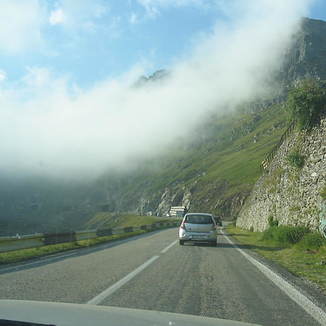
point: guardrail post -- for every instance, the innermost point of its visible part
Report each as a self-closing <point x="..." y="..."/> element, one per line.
<point x="128" y="229"/>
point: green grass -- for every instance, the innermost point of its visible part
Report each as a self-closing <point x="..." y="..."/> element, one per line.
<point x="25" y="254"/>
<point x="296" y="159"/>
<point x="225" y="165"/>
<point x="110" y="220"/>
<point x="323" y="193"/>
<point x="306" y="258"/>
<point x="284" y="235"/>
<point x="105" y="220"/>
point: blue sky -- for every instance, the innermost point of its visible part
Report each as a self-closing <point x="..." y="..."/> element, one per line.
<point x="318" y="10"/>
<point x="91" y="40"/>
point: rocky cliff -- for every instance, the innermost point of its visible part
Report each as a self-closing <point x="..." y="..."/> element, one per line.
<point x="292" y="190"/>
<point x="306" y="57"/>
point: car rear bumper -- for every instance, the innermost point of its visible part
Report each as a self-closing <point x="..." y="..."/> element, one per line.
<point x="196" y="236"/>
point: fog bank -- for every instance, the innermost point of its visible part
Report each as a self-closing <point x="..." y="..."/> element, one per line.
<point x="49" y="126"/>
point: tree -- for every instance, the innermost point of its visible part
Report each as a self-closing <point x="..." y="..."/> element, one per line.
<point x="307" y="102"/>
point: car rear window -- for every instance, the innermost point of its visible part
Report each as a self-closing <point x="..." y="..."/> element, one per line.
<point x="198" y="219"/>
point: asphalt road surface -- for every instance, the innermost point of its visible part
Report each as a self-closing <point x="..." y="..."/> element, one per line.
<point x="154" y="272"/>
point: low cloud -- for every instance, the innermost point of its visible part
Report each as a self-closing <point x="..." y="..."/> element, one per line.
<point x="50" y="126"/>
<point x="20" y="25"/>
<point x="153" y="7"/>
<point x="134" y="19"/>
<point x="3" y="75"/>
<point x="57" y="16"/>
<point x="23" y="23"/>
<point x="77" y="15"/>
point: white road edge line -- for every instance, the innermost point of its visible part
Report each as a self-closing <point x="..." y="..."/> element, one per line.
<point x="168" y="247"/>
<point x="110" y="290"/>
<point x="317" y="313"/>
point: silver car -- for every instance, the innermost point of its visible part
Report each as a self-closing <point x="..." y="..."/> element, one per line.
<point x="199" y="227"/>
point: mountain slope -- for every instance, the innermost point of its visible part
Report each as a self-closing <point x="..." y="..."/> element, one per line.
<point x="306" y="58"/>
<point x="217" y="170"/>
<point x="213" y="170"/>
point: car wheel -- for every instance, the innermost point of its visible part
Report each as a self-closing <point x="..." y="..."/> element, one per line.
<point x="181" y="242"/>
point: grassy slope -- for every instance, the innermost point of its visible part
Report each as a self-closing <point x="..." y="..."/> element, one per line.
<point x="300" y="261"/>
<point x="109" y="220"/>
<point x="25" y="254"/>
<point x="102" y="219"/>
<point x="220" y="163"/>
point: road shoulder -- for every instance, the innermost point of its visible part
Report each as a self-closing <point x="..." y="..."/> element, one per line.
<point x="306" y="287"/>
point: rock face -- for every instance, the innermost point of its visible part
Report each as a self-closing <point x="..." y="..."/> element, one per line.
<point x="173" y="198"/>
<point x="305" y="58"/>
<point x="289" y="194"/>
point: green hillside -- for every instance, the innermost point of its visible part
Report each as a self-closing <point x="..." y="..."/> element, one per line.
<point x="109" y="220"/>
<point x="218" y="168"/>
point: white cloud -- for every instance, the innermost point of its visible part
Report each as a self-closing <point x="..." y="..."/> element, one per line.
<point x="37" y="77"/>
<point x="134" y="19"/>
<point x="57" y="16"/>
<point x="20" y="24"/>
<point x="3" y="75"/>
<point x="113" y="124"/>
<point x="77" y="15"/>
<point x="153" y="7"/>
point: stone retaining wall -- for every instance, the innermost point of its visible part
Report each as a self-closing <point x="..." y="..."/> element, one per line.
<point x="289" y="194"/>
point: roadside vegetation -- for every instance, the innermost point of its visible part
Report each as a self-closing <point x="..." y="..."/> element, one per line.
<point x="25" y="254"/>
<point x="296" y="159"/>
<point x="111" y="220"/>
<point x="297" y="249"/>
<point x="306" y="103"/>
<point x="323" y="193"/>
<point x="100" y="220"/>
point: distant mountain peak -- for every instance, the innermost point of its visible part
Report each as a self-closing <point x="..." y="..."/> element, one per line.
<point x="155" y="77"/>
<point x="306" y="56"/>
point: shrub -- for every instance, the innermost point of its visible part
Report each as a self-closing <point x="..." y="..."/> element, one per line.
<point x="296" y="159"/>
<point x="285" y="235"/>
<point x="323" y="193"/>
<point x="306" y="103"/>
<point x="269" y="234"/>
<point x="271" y="221"/>
<point x="311" y="241"/>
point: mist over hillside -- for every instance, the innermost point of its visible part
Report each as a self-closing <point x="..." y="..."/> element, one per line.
<point x="210" y="163"/>
<point x="56" y="129"/>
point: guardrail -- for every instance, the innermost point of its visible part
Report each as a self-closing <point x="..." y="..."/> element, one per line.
<point x="40" y="239"/>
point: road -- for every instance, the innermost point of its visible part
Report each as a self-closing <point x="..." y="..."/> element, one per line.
<point x="153" y="272"/>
